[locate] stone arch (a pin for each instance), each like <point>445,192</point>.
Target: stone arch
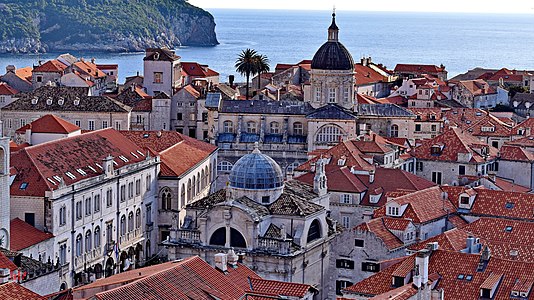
<point>329,134</point>
<point>138,255</point>
<point>194,187</point>
<point>166,198</point>
<point>182,196</point>
<point>198,189</point>
<point>110,267</point>
<point>237,240</point>
<point>314,232</point>
<point>99,272</point>
<point>203,179</point>
<point>207,174</point>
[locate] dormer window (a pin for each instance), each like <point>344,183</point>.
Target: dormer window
<point>393,211</point>
<point>436,149</point>
<point>60,101</point>
<point>464,200</point>
<point>484,150</point>
<point>49,101</point>
<point>34,100</point>
<point>76,101</point>
<point>488,129</point>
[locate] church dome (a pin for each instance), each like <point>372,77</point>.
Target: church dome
<point>332,55</point>
<point>256,171</point>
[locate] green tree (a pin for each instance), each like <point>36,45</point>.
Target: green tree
<point>246,65</point>
<point>262,66</point>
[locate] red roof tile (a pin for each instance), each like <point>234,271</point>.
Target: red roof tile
<point>6,263</point>
<point>88,68</point>
<point>24,74</point>
<point>197,70</point>
<point>365,75</point>
<point>419,69</point>
<point>340,179</point>
<point>37,165</point>
<point>280,288</point>
<point>49,124</point>
<point>15,291</point>
<point>379,229</point>
<point>24,235</point>
<point>451,240</point>
<point>347,150</point>
<point>515,153</point>
<point>5,89</point>
<point>51,66</point>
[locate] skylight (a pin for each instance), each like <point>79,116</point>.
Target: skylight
<point>98,165</point>
<point>140,153</point>
<point>57,178</point>
<point>23,185</point>
<point>71,176</point>
<point>461,276</point>
<point>91,168</point>
<point>123,158</point>
<point>115,163</point>
<point>51,181</point>
<point>509,205</point>
<point>469,277</point>
<point>134,155</point>
<point>508,229</point>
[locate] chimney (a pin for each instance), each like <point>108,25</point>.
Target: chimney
<point>371,176</point>
<point>29,134</point>
<point>470,242</point>
<point>4,276</point>
<point>221,262</point>
<point>10,68</point>
<point>93,60</point>
<point>283,232</point>
<point>108,166</point>
<point>231,79</point>
<point>421,268</point>
<point>232,258</point>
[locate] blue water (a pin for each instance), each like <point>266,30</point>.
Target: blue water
<point>459,41</point>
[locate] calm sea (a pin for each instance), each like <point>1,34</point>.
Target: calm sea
<point>459,41</point>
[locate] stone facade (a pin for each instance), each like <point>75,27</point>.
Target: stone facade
<point>5,181</point>
<point>161,71</point>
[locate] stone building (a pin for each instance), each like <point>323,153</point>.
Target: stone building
<point>162,71</point>
<point>280,228</point>
<point>95,194</point>
<point>71,104</point>
<point>5,181</point>
<point>19,79</point>
<point>7,94</point>
<point>49,73</point>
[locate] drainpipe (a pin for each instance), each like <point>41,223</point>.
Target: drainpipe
<point>72,237</point>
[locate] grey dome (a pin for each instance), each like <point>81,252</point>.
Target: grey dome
<point>256,171</point>
<point>332,56</point>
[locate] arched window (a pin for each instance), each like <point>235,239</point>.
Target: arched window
<point>251,127</point>
<point>203,180</point>
<point>291,167</point>
<point>79,244</point>
<point>97,237</point>
<point>218,238</point>
<point>207,176</point>
<point>130,221</point>
<point>298,129</point>
<point>182,197</point>
<point>228,127</point>
<point>138,218</point>
<point>194,187</point>
<point>189,191</point>
<point>329,134</point>
<point>275,128</point>
<point>394,131</point>
<point>224,166</point>
<point>123,225</point>
<point>88,241</point>
<point>314,232</point>
<point>166,198</point>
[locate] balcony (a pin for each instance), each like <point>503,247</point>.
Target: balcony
<point>130,238</point>
<point>188,236</point>
<point>275,246</point>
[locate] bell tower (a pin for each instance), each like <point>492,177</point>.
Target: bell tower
<point>4,190</point>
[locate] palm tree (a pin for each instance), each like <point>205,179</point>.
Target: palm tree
<point>262,66</point>
<point>246,64</point>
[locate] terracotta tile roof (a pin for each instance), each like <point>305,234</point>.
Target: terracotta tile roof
<point>6,263</point>
<point>502,230</point>
<point>379,229</point>
<point>365,99</point>
<point>453,142</point>
<point>107,66</point>
<point>15,291</point>
<point>404,292</point>
<point>5,89</point>
<point>509,186</point>
<point>24,235</point>
<point>423,206</point>
<point>340,179</point>
<point>38,165</point>
<point>280,288</point>
<point>135,97</point>
<point>296,200</point>
<point>419,69</point>
<point>477,87</point>
<point>490,126</point>
<point>451,240</point>
<point>24,73</point>
<point>398,100</point>
<point>396,224</point>
<point>526,124</point>
<point>197,70</point>
<point>347,150</point>
<point>365,75</point>
<point>191,90</point>
<point>70,96</point>
<point>449,265</point>
<point>49,124</point>
<point>509,205</point>
<point>457,221</point>
<point>51,66</point>
<point>515,153</point>
<point>161,54</point>
<point>527,141</point>
<point>178,153</point>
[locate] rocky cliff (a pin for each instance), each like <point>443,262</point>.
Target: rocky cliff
<point>102,25</point>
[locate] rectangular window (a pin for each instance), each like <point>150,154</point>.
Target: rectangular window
<point>318,93</point>
<point>78,123</point>
<point>88,210</point>
<point>298,128</point>
<point>78,210</point>
<point>29,218</point>
<point>461,170</point>
<point>495,144</point>
<point>464,200</point>
<point>346,199</point>
<point>179,116</point>
<point>148,182</point>
<point>138,187</point>
<point>158,77</point>
<point>130,190</point>
<point>109,197</point>
<point>417,127</point>
<point>63,254</point>
<point>345,221</point>
<point>118,125</point>
<point>123,193</point>
<point>149,214</point>
<point>346,94</point>
<point>39,78</point>
<point>205,117</point>
<point>419,166</point>
<point>91,125</point>
<point>344,264</point>
<point>97,203</point>
<point>341,285</point>
<point>370,267</point>
<point>105,124</point>
<point>434,128</point>
<point>192,132</point>
<point>436,177</point>
<point>62,216</point>
<point>358,243</point>
<point>331,95</point>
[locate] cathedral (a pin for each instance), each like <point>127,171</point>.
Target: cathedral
<point>280,229</point>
